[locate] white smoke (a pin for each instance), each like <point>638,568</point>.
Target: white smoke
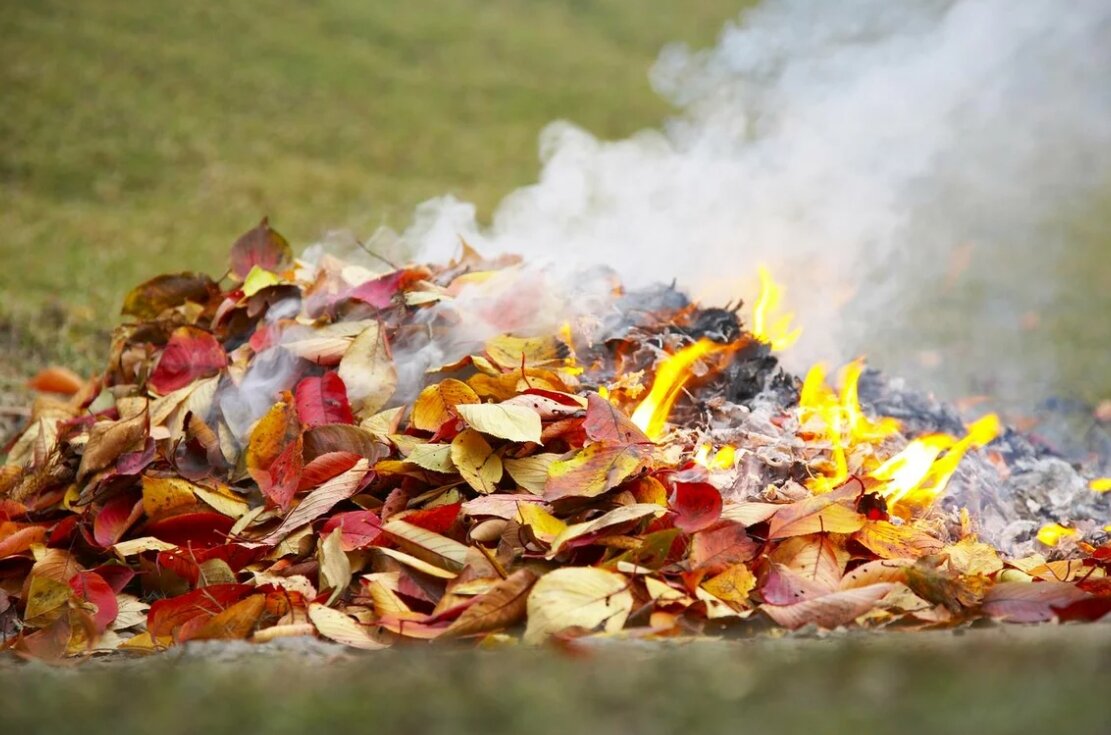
<point>853,146</point>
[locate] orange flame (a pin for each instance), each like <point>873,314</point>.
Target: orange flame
<point>774,330</point>
<point>651,415</point>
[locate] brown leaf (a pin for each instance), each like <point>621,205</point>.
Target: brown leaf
<point>829,611</point>
<point>109,439</point>
<point>888,541</point>
<point>718,548</point>
<point>501,607</point>
<point>320,501</point>
<point>235,623</point>
<point>149,299</point>
<point>1033,602</point>
<point>605,422</point>
<point>56,380</point>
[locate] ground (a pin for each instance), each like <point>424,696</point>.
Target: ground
<point>987,681</point>
<point>141,137</point>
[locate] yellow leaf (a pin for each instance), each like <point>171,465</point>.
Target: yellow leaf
<point>234,623</point>
<point>258,279</point>
<point>163,495</point>
<point>384,423</point>
<point>368,371</point>
<point>476,461</point>
<point>732,586</point>
<point>335,567</point>
<point>270,435</point>
<point>544,525</point>
<point>335,626</point>
<point>594,470</point>
<point>46,600</point>
<point>419,564</point>
<point>222,501</point>
<point>531,473</point>
<point>969,556</point>
<point>577,597</point>
<point>432,457</point>
<point>435,405</point>
<point>515,423</point>
<point>510,352</point>
<point>618,516</point>
<point>135,546</point>
<point>432,547</point>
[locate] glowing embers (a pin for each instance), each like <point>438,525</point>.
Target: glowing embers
<point>911,480</point>
<point>767,325</point>
<point>672,374</point>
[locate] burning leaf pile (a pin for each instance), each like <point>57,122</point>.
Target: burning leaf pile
<point>313,448</point>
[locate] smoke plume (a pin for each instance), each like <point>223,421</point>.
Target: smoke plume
<point>872,153</point>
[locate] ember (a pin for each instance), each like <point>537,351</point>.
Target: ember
<point>375,457</point>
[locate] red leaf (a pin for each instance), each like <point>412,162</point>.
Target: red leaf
<point>437,520</point>
<point>115,518</point>
<point>260,246</point>
<point>697,505</point>
<point>280,481</point>
<point>190,354</point>
<point>325,467</point>
<point>359,529</point>
<point>116,575</point>
<point>605,422</point>
<point>1089,610</point>
<point>186,563</point>
<point>379,292</point>
<point>193,529</point>
<point>323,401</point>
<point>1030,602</point>
<point>166,616</point>
<point>718,548</point>
<point>91,587</point>
<point>21,540</point>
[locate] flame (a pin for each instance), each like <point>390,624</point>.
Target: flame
<point>774,330</point>
<point>1051,533</point>
<point>651,415</point>
<point>911,480</point>
<point>1101,484</point>
<point>724,459</point>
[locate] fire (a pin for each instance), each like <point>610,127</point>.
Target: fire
<point>1101,484</point>
<point>774,330</point>
<point>651,415</point>
<point>724,459</point>
<point>1051,533</point>
<point>912,479</point>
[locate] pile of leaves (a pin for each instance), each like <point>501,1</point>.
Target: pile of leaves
<point>160,502</point>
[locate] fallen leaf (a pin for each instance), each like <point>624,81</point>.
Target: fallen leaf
<point>515,423</point>
<point>368,371</point>
<point>530,472</point>
<point>358,529</point>
<point>56,380</point>
<point>476,461</point>
<point>969,556</point>
<point>323,400</point>
<point>732,586</point>
<point>237,622</point>
<point>109,439</point>
<point>424,544</point>
<point>545,527</point>
<point>501,607</point>
<point>433,457</point>
<point>151,298</point>
<point>191,354</point>
<point>697,505</point>
<point>605,422</point>
<point>577,597</point>
<point>832,512</point>
<point>576,534</point>
<point>888,541</point>
<point>596,469</point>
<point>718,548</point>
<point>335,567</point>
<point>1034,602</point>
<point>335,626</point>
<point>263,247</point>
<point>829,611</point>
<point>436,404</point>
<point>320,501</point>
<point>167,616</point>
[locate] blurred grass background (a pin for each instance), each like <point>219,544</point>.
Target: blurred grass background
<point>143,137</point>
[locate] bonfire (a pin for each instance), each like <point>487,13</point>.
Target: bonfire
<point>456,451</point>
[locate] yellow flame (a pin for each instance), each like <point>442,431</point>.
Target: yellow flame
<point>767,326</point>
<point>1051,533</point>
<point>911,480</point>
<point>1101,484</point>
<point>651,415</point>
<point>724,458</point>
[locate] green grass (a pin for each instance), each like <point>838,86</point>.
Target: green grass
<point>987,682</point>
<point>142,137</point>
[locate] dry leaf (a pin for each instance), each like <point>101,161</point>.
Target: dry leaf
<point>476,461</point>
<point>577,597</point>
<point>515,423</point>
